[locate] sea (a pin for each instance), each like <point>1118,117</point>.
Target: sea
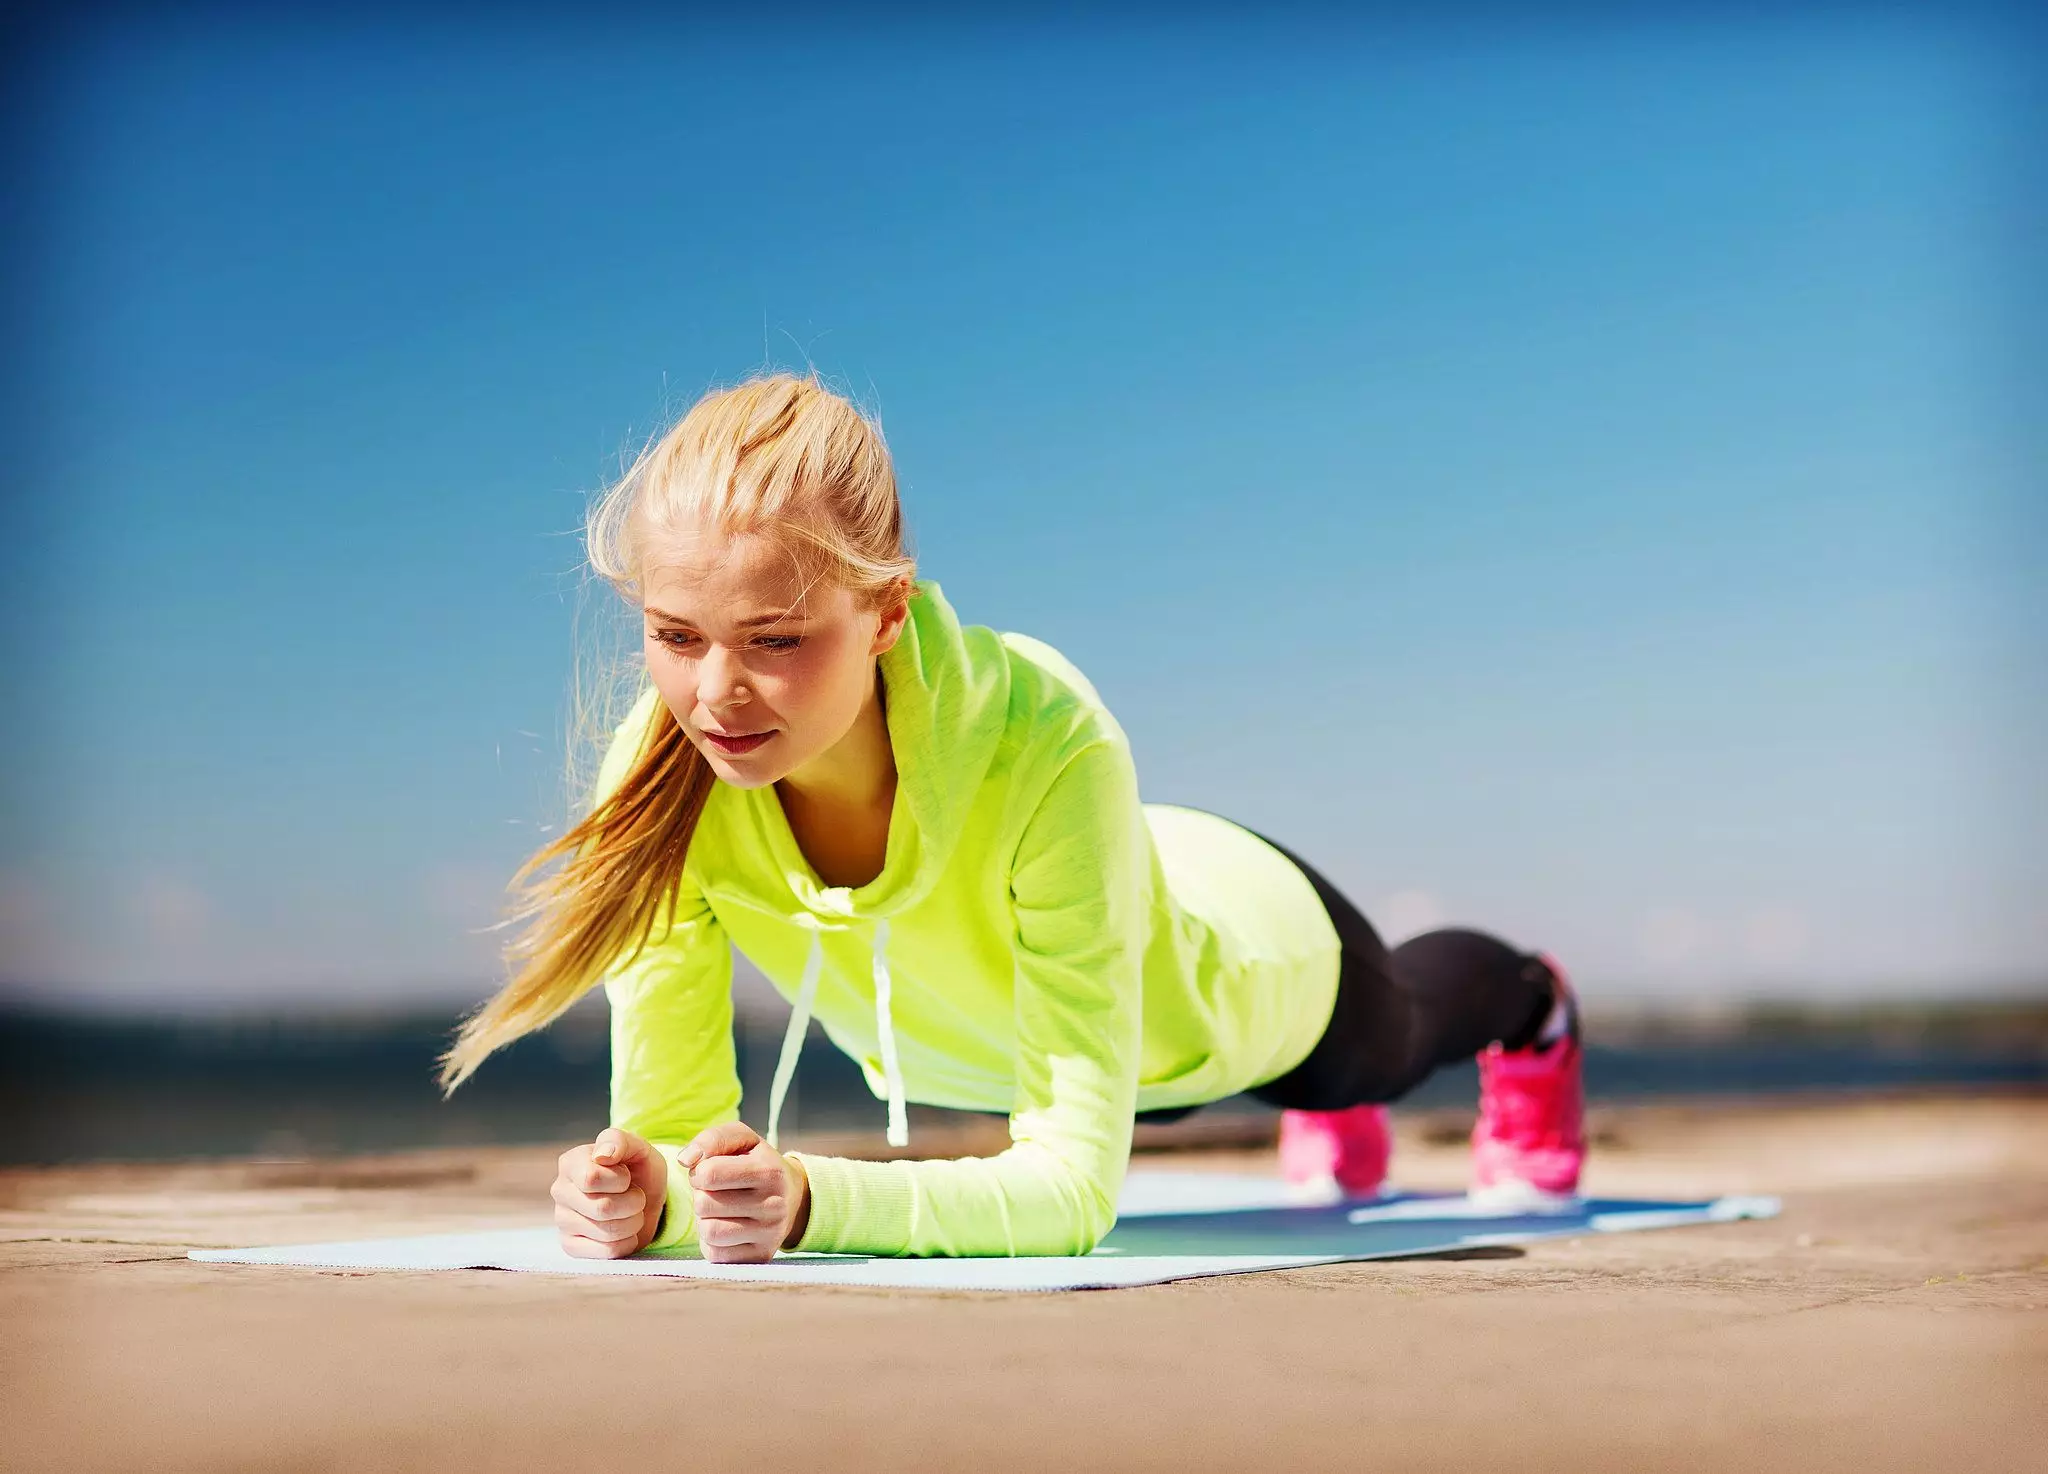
<point>91,1089</point>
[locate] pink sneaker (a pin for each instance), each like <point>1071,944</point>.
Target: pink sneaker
<point>1531,1138</point>
<point>1331,1154</point>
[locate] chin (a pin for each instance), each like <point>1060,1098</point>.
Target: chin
<point>740,775</point>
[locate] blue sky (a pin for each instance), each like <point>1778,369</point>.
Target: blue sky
<point>1561,478</point>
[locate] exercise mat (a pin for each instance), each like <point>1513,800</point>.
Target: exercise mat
<point>1172,1225</point>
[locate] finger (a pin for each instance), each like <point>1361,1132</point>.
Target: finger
<point>727,1174</point>
<point>578,1247</point>
<point>725,1233</point>
<point>594,1178</point>
<point>608,1232</point>
<point>601,1207</point>
<point>726,1205</point>
<point>617,1147</point>
<point>729,1138</point>
<point>753,1253</point>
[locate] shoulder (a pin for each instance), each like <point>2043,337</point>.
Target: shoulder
<point>1054,707</point>
<point>1073,763</point>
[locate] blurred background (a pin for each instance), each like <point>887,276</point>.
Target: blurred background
<point>1570,474</point>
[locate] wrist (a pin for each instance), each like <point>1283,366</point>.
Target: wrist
<point>799,1200</point>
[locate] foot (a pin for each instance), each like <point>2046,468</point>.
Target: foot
<point>1530,1141</point>
<point>1326,1155</point>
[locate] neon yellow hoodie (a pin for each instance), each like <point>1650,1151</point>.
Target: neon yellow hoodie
<point>1038,943</point>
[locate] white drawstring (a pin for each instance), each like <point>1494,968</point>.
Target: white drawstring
<point>800,1022</point>
<point>793,1036</point>
<point>885,1027</point>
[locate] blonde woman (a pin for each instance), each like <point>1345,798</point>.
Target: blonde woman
<point>928,836</point>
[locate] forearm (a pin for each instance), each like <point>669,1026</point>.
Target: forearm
<point>1028,1200</point>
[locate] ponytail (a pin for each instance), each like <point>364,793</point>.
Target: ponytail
<point>599,909</point>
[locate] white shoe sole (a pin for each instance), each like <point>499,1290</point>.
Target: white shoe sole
<point>1513,1195</point>
<point>1325,1190</point>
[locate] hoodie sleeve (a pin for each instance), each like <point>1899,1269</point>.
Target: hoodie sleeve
<point>673,1070</point>
<point>1078,891</point>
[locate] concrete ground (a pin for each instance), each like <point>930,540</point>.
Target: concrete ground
<point>1895,1317</point>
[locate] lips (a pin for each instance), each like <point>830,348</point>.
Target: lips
<point>737,742</point>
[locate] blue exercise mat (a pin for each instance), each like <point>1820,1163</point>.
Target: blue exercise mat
<point>1174,1225</point>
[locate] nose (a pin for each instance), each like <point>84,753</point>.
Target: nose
<point>720,675</point>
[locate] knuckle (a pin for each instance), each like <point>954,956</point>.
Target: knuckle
<point>569,1220</point>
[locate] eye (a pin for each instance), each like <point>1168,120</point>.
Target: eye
<point>678,640</point>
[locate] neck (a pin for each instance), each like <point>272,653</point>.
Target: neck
<point>859,770</point>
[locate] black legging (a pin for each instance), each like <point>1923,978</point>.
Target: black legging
<point>1436,999</point>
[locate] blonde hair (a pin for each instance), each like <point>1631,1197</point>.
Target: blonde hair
<point>778,455</point>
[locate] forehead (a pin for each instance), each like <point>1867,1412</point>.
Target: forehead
<point>710,575</point>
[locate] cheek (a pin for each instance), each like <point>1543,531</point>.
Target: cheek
<point>810,695</point>
<point>678,690</point>
<point>792,686</point>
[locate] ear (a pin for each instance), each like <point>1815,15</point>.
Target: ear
<point>895,614</point>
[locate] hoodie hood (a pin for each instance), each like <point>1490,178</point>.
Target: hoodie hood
<point>946,694</point>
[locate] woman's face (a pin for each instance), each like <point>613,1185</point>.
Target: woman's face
<point>738,647</point>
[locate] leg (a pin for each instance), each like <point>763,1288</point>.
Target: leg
<point>1530,1132</point>
<point>1464,991</point>
<point>1438,998</point>
<point>1435,1000</point>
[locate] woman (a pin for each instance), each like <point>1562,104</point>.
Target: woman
<point>928,836</point>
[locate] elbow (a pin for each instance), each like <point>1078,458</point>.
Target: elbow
<point>1089,1213</point>
<point>1098,1217</point>
<point>1055,1203</point>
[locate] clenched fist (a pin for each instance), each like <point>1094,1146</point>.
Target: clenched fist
<point>750,1200</point>
<point>609,1195</point>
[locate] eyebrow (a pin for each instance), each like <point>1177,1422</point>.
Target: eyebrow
<point>756,622</point>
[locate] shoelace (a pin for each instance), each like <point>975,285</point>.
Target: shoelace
<point>800,1022</point>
